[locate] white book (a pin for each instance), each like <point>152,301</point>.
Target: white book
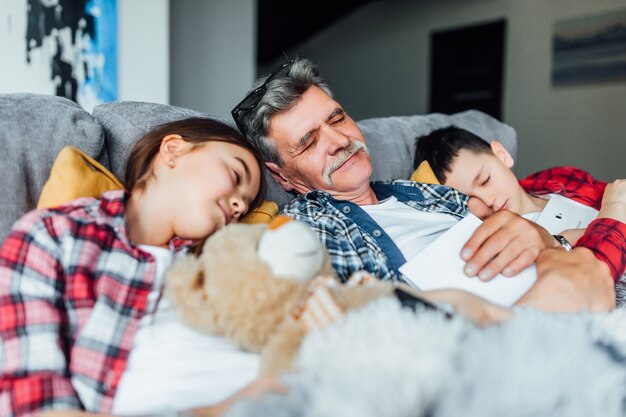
<point>440,266</point>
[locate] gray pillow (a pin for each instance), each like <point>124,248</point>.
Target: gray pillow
<point>33,129</point>
<point>391,140</point>
<point>126,121</point>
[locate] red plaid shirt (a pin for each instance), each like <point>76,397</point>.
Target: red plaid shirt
<point>72,291</point>
<point>605,237</point>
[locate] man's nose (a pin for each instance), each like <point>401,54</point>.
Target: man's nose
<point>336,140</point>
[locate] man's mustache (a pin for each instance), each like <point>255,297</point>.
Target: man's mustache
<point>343,155</point>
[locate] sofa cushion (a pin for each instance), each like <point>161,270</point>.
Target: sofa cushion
<point>391,140</point>
<point>75,174</point>
<point>124,122</point>
<point>33,129</point>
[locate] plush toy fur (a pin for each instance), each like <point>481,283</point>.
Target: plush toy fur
<point>229,291</point>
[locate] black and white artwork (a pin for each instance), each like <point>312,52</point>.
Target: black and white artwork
<point>62,47</point>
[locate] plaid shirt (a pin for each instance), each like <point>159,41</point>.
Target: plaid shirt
<point>354,240</point>
<point>72,291</point>
<point>605,237</point>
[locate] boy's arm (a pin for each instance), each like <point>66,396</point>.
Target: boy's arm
<point>614,201</point>
<point>606,236</point>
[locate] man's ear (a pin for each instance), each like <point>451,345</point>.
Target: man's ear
<point>279,175</point>
<point>501,153</point>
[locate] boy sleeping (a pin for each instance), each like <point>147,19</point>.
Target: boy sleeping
<point>464,161</point>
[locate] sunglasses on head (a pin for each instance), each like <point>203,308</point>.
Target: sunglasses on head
<point>254,97</point>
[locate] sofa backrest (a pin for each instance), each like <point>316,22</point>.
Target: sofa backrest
<point>34,128</point>
<point>391,140</point>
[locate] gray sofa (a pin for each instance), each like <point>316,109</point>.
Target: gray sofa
<point>34,128</point>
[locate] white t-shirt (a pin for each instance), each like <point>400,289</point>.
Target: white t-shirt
<point>410,229</point>
<point>173,367</point>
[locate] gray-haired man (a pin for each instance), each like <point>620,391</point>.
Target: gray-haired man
<point>312,147</point>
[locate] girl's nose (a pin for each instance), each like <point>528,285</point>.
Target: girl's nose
<point>238,206</point>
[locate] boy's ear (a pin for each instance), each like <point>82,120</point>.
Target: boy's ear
<point>501,153</point>
<point>279,175</point>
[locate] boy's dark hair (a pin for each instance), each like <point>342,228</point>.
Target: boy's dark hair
<point>442,146</point>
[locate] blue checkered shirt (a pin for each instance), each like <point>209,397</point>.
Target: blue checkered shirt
<point>354,240</point>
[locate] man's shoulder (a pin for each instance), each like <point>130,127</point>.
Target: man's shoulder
<point>317,209</point>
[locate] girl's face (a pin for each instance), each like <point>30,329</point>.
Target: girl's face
<point>211,186</point>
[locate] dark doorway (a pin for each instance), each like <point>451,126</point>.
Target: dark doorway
<point>467,69</point>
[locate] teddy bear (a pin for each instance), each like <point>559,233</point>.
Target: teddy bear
<point>264,287</point>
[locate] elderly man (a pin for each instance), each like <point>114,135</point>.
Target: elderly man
<point>313,148</point>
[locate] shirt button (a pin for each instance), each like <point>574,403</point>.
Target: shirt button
<point>377,233</point>
<point>346,209</point>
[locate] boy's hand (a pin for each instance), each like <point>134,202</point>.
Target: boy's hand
<point>505,243</point>
<point>614,201</point>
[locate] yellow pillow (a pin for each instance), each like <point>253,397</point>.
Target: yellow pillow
<point>75,174</point>
<point>424,173</point>
<point>264,213</point>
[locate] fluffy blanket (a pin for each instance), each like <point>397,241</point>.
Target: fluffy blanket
<point>384,360</point>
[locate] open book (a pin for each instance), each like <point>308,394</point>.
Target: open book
<point>440,266</point>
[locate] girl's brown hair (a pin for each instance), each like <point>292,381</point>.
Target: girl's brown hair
<point>195,130</point>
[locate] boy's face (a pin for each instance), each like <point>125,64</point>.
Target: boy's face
<point>487,176</point>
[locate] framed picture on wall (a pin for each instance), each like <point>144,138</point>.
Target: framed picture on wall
<point>64,47</point>
<point>589,49</point>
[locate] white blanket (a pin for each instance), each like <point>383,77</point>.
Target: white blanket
<point>387,361</point>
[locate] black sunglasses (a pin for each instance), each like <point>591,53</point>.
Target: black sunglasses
<point>254,97</point>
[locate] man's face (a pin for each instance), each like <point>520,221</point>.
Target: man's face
<point>321,146</point>
<point>488,177</point>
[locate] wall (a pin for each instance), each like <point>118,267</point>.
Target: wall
<point>377,60</point>
<point>143,52</point>
<point>213,51</point>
